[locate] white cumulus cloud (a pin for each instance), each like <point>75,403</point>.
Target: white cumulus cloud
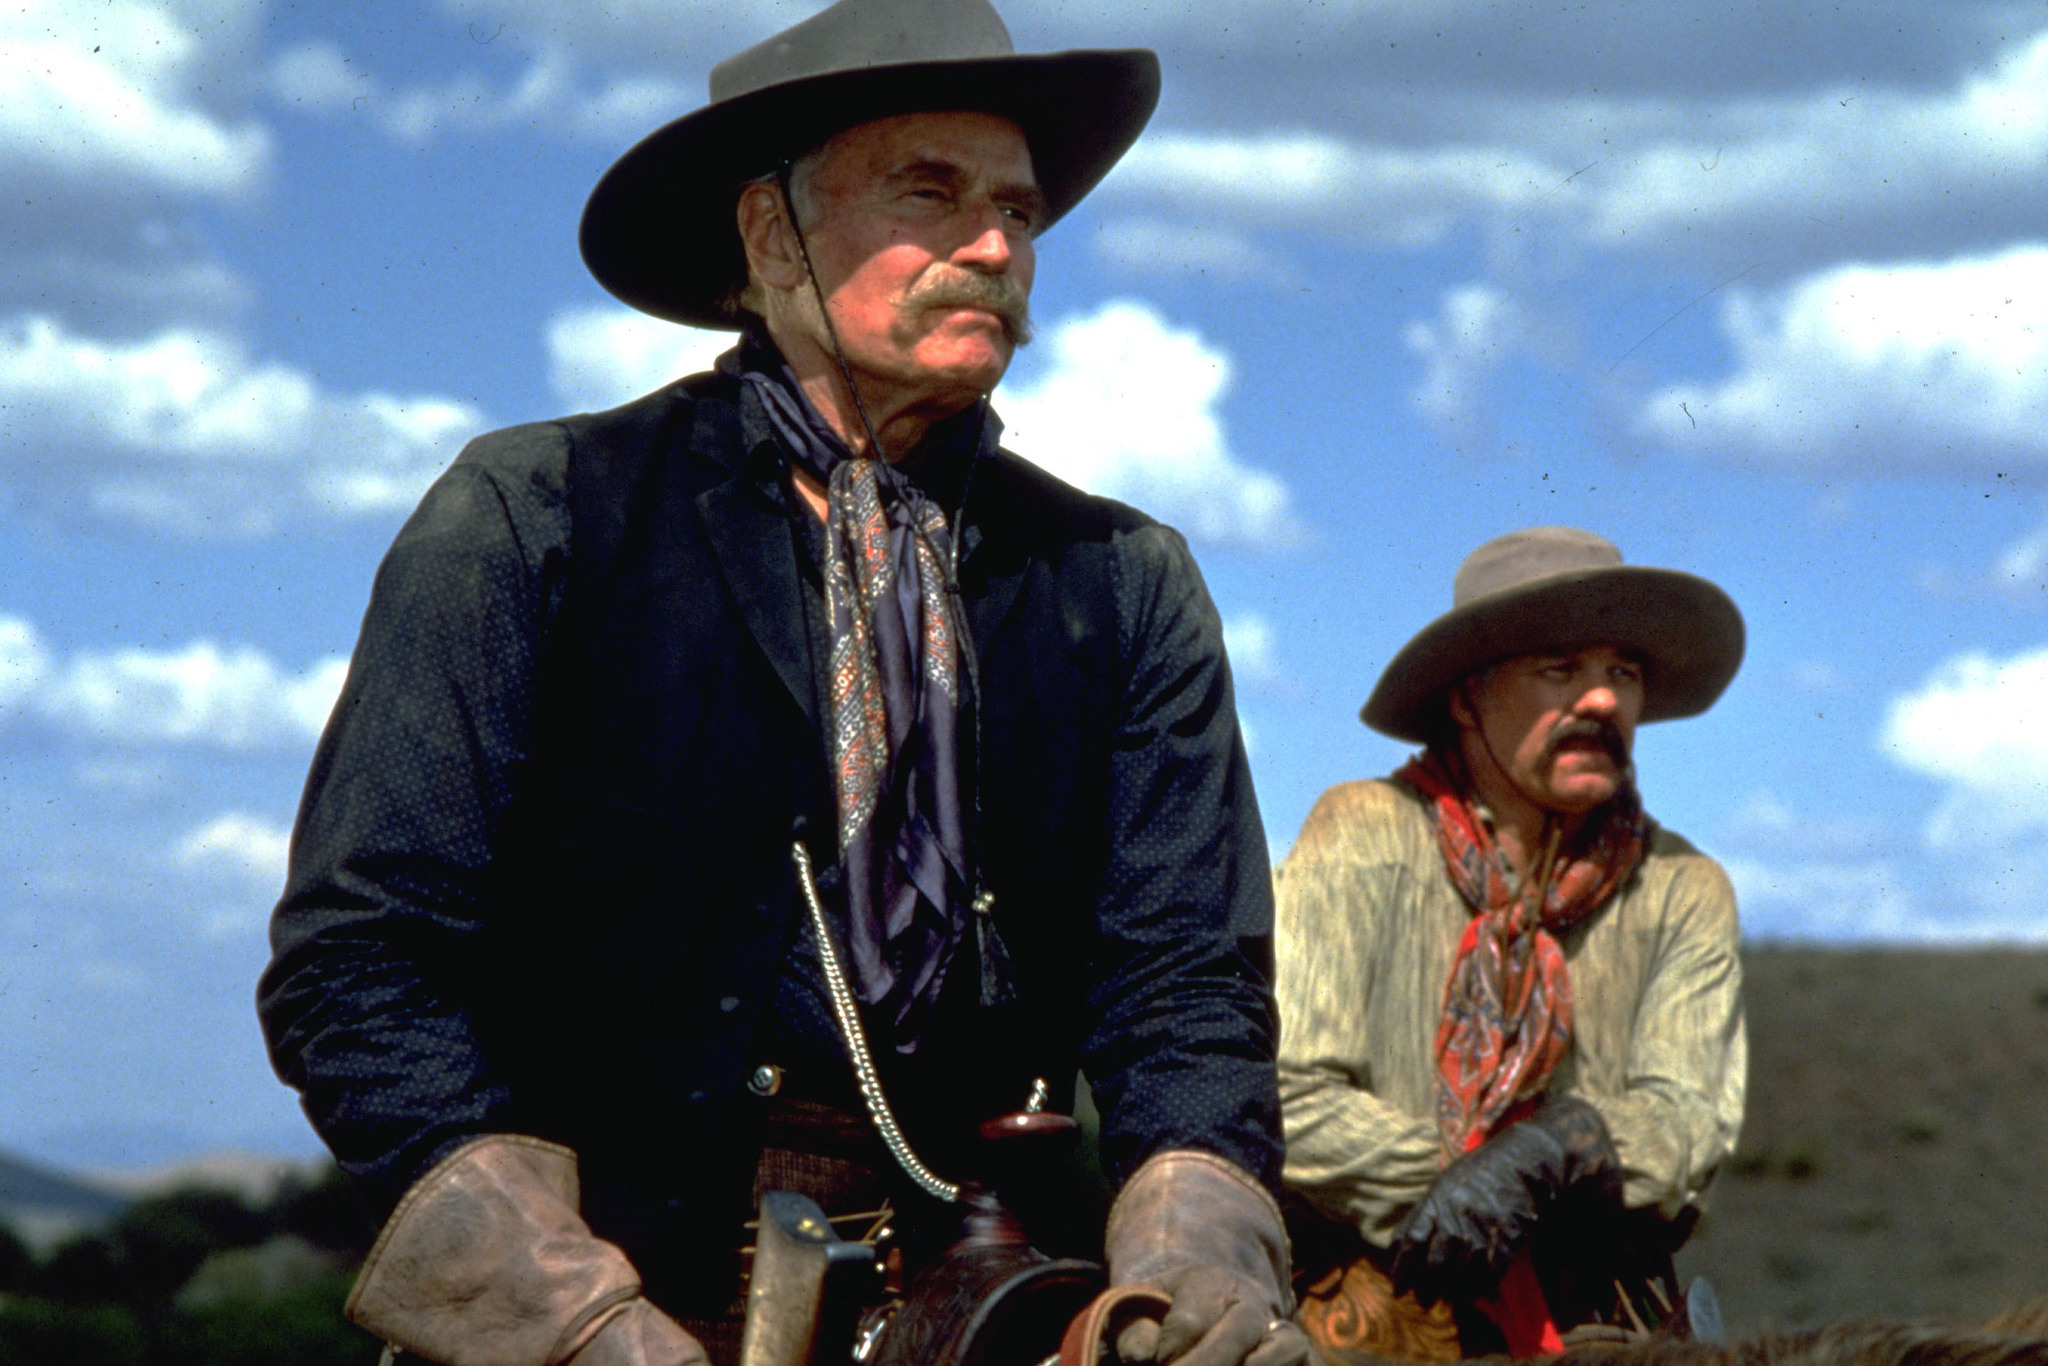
<point>1574,131</point>
<point>1979,726</point>
<point>1915,365</point>
<point>238,698</point>
<point>24,663</point>
<point>116,116</point>
<point>1253,646</point>
<point>1153,246</point>
<point>321,78</point>
<point>1850,900</point>
<point>1847,157</point>
<point>1477,328</point>
<point>99,92</point>
<point>1404,196</point>
<point>612,72</point>
<point>238,843</point>
<point>2021,569</point>
<point>247,851</point>
<point>185,432</point>
<point>601,357</point>
<point>1122,403</point>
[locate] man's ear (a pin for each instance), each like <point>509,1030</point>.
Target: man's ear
<point>1459,702</point>
<point>773,257</point>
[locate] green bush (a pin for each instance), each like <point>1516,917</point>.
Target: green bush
<point>152,1249</point>
<point>40,1332</point>
<point>17,1264</point>
<point>194,1278</point>
<point>302,1326</point>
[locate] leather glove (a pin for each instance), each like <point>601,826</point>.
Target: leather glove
<point>1482,1209</point>
<point>486,1262</point>
<point>1209,1237</point>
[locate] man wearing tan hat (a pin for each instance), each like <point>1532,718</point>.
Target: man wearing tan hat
<point>1512,1038</point>
<point>777,722</point>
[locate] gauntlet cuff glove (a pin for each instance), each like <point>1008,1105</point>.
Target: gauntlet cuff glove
<point>486,1262</point>
<point>1483,1208</point>
<point>1199,1229</point>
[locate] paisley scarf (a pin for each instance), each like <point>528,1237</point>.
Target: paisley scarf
<point>1507,1018</point>
<point>894,696</point>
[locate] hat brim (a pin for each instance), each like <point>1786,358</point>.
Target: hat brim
<point>1687,631</point>
<point>659,229</point>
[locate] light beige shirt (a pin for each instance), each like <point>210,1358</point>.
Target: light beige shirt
<point>1368,925</point>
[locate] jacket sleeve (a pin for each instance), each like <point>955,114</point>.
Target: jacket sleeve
<point>1358,1159</point>
<point>1678,1117</point>
<point>363,1004</point>
<point>1180,1052</point>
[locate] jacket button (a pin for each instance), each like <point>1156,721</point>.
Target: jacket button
<point>766,1081</point>
<point>728,1004</point>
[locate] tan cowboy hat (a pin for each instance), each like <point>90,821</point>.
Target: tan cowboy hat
<point>1553,588</point>
<point>659,230</point>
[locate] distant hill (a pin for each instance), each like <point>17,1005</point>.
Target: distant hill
<point>1895,1161</point>
<point>255,1178</point>
<point>45,1206</point>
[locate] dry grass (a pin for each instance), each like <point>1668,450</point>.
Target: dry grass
<point>1893,1162</point>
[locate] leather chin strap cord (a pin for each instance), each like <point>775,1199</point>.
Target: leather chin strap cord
<point>783,172</point>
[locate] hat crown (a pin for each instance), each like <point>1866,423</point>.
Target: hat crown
<point>862,33</point>
<point>1526,556</point>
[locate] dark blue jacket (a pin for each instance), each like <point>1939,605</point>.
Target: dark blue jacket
<point>542,883</point>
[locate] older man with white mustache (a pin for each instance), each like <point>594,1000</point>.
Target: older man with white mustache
<point>782,718</point>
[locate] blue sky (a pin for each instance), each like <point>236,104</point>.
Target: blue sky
<point>1758,291</point>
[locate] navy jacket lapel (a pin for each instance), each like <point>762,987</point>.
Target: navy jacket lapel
<point>992,563</point>
<point>749,532</point>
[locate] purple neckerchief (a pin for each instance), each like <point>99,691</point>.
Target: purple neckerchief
<point>894,696</point>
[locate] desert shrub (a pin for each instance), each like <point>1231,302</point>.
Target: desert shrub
<point>17,1264</point>
<point>328,1213</point>
<point>195,1277</point>
<point>41,1332</point>
<point>303,1326</point>
<point>152,1249</point>
<point>83,1269</point>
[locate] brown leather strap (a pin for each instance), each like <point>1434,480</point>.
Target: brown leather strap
<point>1096,1327</point>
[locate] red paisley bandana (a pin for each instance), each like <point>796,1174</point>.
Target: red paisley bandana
<point>1507,1020</point>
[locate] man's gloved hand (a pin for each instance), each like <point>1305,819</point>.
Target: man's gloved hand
<point>486,1262</point>
<point>1209,1237</point>
<point>1482,1209</point>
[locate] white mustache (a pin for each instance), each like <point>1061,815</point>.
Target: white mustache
<point>999,294</point>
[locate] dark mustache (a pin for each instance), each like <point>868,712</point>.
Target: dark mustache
<point>1598,729</point>
<point>999,294</point>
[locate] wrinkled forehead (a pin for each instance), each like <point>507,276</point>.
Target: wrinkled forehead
<point>967,143</point>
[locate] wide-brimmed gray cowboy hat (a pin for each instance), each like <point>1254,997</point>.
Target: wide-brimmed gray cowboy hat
<point>659,230</point>
<point>1556,588</point>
